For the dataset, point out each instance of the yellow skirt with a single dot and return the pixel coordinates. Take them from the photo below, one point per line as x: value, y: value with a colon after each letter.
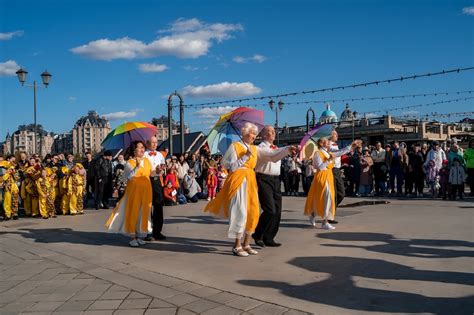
x: 321, y: 197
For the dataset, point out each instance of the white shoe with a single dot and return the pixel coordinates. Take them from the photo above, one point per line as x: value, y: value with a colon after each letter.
x: 208, y: 199
x: 141, y: 242
x: 133, y: 243
x: 250, y: 250
x: 312, y: 220
x: 327, y: 226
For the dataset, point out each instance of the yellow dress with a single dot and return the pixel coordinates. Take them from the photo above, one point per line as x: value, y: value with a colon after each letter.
x: 132, y: 215
x: 238, y: 198
x: 11, y: 193
x: 43, y: 187
x: 75, y: 192
x: 321, y: 197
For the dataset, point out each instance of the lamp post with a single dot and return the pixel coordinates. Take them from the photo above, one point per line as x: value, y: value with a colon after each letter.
x: 170, y: 121
x: 277, y: 109
x: 354, y: 114
x: 45, y: 77
x: 310, y: 110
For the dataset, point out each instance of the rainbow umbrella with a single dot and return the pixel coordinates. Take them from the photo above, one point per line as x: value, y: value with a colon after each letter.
x: 227, y: 128
x: 123, y: 136
x: 308, y: 143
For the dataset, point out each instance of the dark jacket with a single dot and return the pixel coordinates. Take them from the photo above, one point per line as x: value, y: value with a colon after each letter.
x: 103, y: 169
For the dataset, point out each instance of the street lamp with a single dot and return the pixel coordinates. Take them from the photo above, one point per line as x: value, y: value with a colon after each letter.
x: 277, y: 109
x: 45, y: 77
x: 354, y: 115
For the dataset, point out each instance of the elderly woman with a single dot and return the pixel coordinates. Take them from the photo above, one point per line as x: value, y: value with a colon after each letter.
x: 238, y: 199
x: 321, y: 196
x: 131, y: 216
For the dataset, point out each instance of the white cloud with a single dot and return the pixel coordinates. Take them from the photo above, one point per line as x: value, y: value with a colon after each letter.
x: 8, y: 36
x: 8, y: 68
x: 152, y: 67
x: 370, y: 115
x: 184, y: 39
x: 72, y: 98
x: 193, y: 68
x: 410, y: 113
x: 221, y: 90
x: 468, y: 10
x: 255, y: 58
x: 122, y: 115
x: 208, y: 113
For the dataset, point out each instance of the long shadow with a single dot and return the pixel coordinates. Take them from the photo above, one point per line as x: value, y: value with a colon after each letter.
x: 200, y: 219
x: 67, y: 235
x: 423, y: 248
x: 341, y: 291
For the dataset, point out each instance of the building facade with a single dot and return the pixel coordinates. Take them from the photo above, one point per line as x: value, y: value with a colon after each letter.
x: 161, y: 124
x: 63, y: 143
x: 22, y: 140
x: 88, y: 133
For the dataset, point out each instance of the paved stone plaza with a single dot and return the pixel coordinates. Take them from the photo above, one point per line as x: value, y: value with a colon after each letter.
x: 409, y: 256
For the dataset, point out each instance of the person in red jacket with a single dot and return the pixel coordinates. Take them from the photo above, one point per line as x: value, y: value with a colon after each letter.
x: 170, y: 194
x: 211, y: 183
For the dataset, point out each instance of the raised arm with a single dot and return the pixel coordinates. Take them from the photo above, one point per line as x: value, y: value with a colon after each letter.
x: 268, y: 155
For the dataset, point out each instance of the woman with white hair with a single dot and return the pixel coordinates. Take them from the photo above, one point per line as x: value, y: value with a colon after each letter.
x: 321, y: 196
x: 238, y: 198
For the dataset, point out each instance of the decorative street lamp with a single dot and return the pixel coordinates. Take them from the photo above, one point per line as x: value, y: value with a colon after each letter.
x: 170, y: 121
x: 45, y: 77
x: 277, y: 109
x: 310, y: 110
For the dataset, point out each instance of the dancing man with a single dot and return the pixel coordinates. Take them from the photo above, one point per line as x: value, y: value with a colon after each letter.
x: 269, y: 188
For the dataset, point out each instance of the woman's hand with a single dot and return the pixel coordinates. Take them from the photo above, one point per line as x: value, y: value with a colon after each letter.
x: 332, y: 156
x: 249, y: 152
x: 356, y: 144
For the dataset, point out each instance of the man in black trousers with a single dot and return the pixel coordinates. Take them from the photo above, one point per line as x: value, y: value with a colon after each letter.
x: 269, y: 188
x: 157, y: 162
x: 103, y: 180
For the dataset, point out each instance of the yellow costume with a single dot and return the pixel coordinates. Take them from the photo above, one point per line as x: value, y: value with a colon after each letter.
x: 321, y: 197
x: 238, y: 198
x: 11, y: 194
x: 43, y: 187
x: 31, y: 204
x: 76, y: 190
x: 51, y: 178
x: 63, y: 190
x: 132, y: 214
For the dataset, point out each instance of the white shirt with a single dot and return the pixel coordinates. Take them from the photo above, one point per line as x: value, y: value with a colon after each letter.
x: 269, y: 160
x: 378, y: 155
x: 334, y: 148
x: 155, y: 160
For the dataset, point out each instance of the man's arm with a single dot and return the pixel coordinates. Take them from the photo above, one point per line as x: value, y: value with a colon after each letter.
x: 268, y: 154
x: 340, y: 152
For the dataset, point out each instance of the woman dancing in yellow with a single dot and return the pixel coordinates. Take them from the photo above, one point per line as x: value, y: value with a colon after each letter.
x: 238, y: 198
x: 131, y: 216
x: 321, y: 195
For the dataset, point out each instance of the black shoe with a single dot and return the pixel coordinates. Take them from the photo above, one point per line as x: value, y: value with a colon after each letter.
x: 272, y: 244
x: 97, y: 207
x: 149, y: 239
x: 105, y: 207
x: 258, y: 242
x: 333, y: 221
x: 15, y: 217
x: 159, y: 237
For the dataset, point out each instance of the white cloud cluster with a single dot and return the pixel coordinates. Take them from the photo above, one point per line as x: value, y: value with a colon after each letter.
x: 8, y: 68
x: 122, y: 115
x: 221, y: 90
x: 152, y: 67
x: 72, y: 98
x: 255, y: 58
x: 209, y: 113
x: 193, y: 68
x: 410, y: 113
x: 468, y: 10
x: 10, y: 35
x: 190, y: 38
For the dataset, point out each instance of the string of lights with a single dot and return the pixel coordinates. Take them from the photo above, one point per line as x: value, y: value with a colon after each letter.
x: 392, y: 109
x: 443, y: 115
x: 335, y: 88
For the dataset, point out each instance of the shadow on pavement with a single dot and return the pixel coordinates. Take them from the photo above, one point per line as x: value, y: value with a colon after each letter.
x: 423, y: 248
x: 340, y: 290
x: 172, y: 244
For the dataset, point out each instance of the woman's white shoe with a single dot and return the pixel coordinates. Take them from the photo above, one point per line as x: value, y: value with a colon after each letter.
x: 238, y: 251
x: 312, y: 220
x: 327, y: 226
x: 141, y: 242
x: 133, y: 243
x: 250, y: 250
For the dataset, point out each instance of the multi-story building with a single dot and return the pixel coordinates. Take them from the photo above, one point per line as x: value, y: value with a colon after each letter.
x: 23, y: 140
x: 162, y: 127
x: 63, y: 143
x: 89, y: 132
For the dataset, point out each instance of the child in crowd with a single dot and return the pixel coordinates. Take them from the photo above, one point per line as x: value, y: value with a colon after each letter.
x: 43, y: 186
x: 211, y: 183
x: 170, y: 194
x: 432, y: 177
x: 119, y: 182
x: 221, y: 176
x: 444, y: 180
x: 457, y: 176
x: 11, y: 193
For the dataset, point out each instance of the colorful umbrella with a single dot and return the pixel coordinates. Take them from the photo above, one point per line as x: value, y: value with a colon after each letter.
x: 308, y: 143
x: 227, y: 128
x: 123, y: 136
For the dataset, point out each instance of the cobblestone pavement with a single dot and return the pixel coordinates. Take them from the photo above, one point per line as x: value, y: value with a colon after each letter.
x: 408, y: 256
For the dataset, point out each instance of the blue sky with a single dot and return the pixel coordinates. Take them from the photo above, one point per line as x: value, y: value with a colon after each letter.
x: 121, y: 58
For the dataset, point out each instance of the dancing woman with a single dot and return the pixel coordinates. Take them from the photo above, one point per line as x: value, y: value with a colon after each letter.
x: 321, y: 196
x: 131, y: 215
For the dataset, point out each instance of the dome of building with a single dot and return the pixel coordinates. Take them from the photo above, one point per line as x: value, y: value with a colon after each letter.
x: 347, y: 114
x: 328, y: 116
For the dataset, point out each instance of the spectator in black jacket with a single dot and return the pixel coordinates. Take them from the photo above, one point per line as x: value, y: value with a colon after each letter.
x: 103, y: 180
x: 88, y: 164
